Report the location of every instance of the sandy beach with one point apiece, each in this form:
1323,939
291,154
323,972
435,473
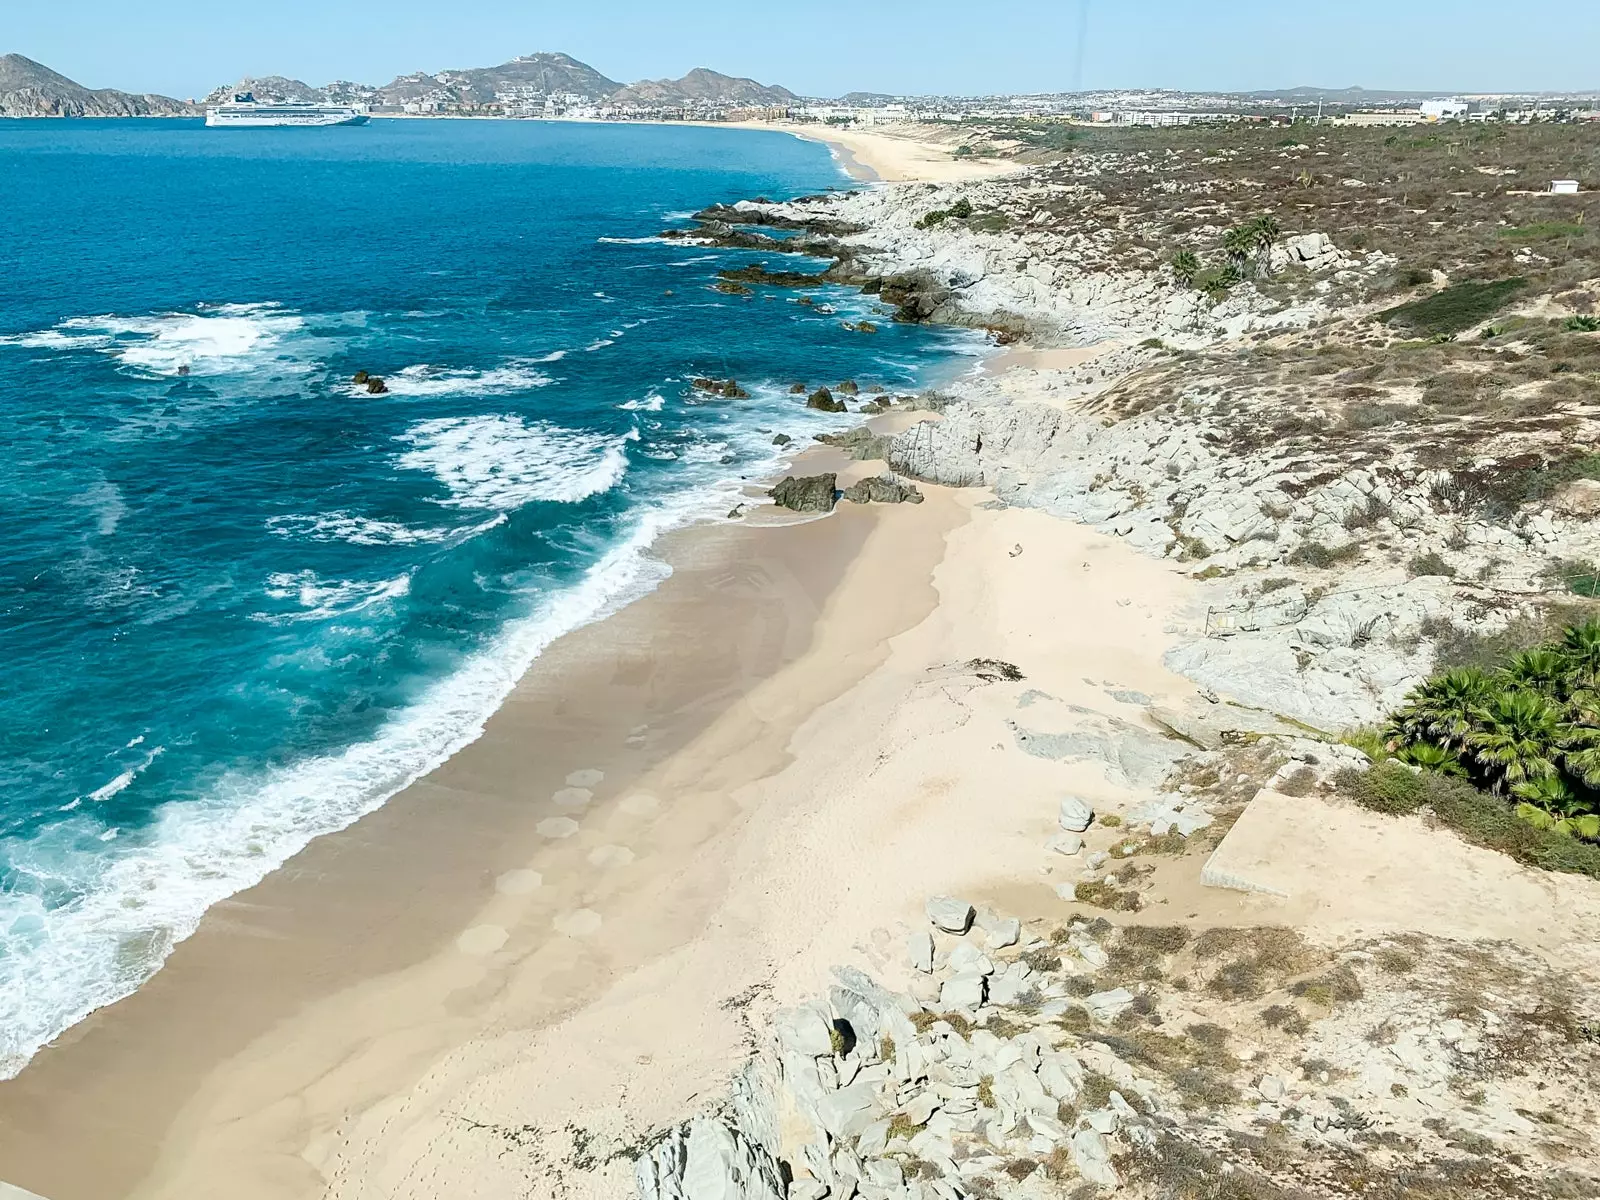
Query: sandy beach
891,153
497,949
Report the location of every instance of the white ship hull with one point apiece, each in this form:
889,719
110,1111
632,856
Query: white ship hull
283,116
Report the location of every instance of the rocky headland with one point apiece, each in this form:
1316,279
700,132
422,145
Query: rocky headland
28,89
1366,433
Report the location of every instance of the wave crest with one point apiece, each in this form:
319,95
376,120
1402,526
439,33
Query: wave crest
503,462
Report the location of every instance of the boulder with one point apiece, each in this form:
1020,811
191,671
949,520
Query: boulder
804,1031
822,400
962,992
1068,844
967,959
1093,1159
882,489
782,439
999,932
859,443
1076,815
808,493
847,1112
919,951
1107,1006
376,386
949,914
708,1161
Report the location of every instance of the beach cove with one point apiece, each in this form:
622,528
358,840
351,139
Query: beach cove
949,766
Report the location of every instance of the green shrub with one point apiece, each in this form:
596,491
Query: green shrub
1543,231
1315,554
1386,787
1482,818
1431,563
1455,308
1580,576
1581,324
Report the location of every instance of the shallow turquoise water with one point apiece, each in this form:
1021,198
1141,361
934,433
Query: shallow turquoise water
242,601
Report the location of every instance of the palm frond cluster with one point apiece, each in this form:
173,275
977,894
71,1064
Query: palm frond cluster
1529,730
1242,246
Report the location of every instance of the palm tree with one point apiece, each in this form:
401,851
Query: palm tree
1264,231
1239,244
1580,646
1445,709
1552,793
1267,231
1519,738
1185,266
1541,670
1432,758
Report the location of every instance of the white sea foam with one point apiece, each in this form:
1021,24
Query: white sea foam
107,790
366,531
215,341
601,343
321,599
636,241
651,403
61,961
424,380
503,462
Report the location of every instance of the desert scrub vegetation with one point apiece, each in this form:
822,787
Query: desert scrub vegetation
1454,309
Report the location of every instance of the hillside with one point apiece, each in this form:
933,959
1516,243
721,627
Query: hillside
28,89
275,88
550,74
702,87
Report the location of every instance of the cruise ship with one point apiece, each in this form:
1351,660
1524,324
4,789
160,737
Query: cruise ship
244,111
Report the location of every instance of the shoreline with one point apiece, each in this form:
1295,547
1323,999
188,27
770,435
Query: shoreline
325,920
627,594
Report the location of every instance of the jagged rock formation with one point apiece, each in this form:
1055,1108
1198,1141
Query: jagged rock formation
882,489
29,89
807,494
1025,1063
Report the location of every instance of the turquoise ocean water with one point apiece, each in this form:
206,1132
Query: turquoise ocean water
242,601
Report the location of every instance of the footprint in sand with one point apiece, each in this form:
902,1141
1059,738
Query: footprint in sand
585,778
610,856
519,882
558,827
572,797
581,923
640,804
482,939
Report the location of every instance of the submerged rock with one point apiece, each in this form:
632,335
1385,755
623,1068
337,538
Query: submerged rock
376,386
807,493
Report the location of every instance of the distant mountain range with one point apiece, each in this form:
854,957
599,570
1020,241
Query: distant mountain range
28,89
533,74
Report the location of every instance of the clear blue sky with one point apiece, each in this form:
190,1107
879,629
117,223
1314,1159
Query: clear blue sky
826,47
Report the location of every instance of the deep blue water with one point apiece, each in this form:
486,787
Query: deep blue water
242,601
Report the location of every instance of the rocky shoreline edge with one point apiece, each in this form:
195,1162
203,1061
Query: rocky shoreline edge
1019,1061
